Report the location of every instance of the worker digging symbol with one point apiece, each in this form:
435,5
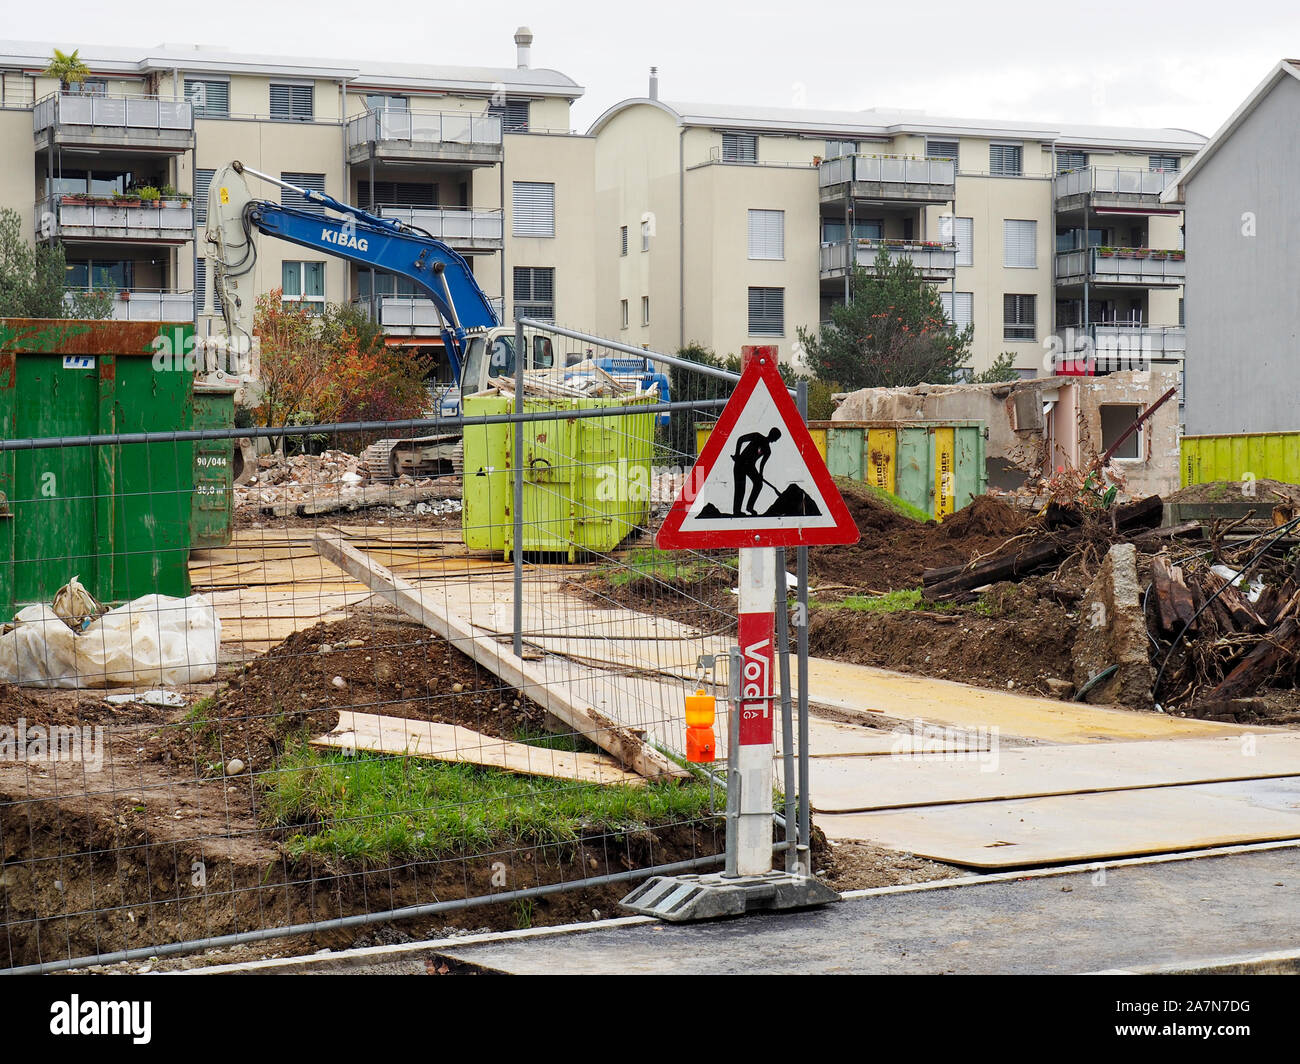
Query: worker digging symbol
749,464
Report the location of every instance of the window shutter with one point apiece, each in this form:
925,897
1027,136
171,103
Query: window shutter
1005,159
837,148
1018,319
1164,162
534,208
961,312
292,101
767,311
534,290
622,236
766,234
941,149
739,148
1071,160
211,99
961,232
202,179
315,182
1019,243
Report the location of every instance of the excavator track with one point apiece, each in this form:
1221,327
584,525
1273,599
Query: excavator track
379,462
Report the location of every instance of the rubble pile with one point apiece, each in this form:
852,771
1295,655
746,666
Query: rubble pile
307,485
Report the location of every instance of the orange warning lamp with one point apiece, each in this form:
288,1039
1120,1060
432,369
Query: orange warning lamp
700,744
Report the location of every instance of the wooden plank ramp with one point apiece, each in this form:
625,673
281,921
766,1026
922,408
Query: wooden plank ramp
378,734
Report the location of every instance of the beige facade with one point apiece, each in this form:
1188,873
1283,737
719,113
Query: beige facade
442,148
987,227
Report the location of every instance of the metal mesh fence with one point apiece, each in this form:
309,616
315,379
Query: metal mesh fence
402,701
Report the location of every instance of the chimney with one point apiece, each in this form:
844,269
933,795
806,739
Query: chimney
654,83
523,41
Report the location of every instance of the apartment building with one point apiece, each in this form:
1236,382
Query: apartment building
480,157
734,225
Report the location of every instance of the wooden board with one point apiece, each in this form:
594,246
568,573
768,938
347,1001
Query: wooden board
863,689
379,734
608,710
845,785
1080,827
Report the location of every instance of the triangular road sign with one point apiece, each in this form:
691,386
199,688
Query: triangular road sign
759,481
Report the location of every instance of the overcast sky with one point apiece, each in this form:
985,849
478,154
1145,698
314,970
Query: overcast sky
1186,64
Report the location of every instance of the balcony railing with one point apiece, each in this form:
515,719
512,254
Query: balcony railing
107,219
1112,186
441,136
413,315
139,122
889,177
461,227
935,262
145,305
1123,344
1138,267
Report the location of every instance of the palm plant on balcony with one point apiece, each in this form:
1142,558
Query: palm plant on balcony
69,68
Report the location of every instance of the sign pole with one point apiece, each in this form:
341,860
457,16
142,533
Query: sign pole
756,592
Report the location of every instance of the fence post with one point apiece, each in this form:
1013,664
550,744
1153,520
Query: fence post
801,615
517,509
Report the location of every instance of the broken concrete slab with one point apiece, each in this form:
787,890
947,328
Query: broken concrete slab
1113,632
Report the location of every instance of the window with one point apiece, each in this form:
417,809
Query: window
961,232
645,234
514,115
623,307
534,208
535,292
1164,162
834,230
1071,160
201,288
836,148
959,306
202,179
314,182
398,193
292,102
1005,159
739,148
622,239
1114,420
1020,243
1181,320
941,149
766,234
645,310
767,312
304,282
1018,319
211,99
378,102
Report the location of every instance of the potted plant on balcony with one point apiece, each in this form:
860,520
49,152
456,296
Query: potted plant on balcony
1157,253
1106,252
69,69
129,198
150,196
1141,253
1178,256
1127,253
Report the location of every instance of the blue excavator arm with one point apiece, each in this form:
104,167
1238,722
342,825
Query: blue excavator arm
382,244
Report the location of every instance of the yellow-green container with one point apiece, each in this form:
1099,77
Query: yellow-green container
1240,457
586,480
937,466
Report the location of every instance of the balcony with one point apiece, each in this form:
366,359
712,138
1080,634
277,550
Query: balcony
73,218
1113,189
463,228
142,305
457,138
887,178
1122,345
413,315
136,123
1132,267
935,262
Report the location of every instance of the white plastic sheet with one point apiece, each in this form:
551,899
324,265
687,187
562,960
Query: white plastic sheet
152,640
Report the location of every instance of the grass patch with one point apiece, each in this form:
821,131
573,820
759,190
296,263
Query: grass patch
902,507
651,563
372,810
890,602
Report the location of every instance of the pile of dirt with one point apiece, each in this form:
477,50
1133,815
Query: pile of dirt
1017,635
71,709
1226,491
893,551
374,662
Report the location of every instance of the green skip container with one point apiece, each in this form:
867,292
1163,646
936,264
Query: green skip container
120,518
587,480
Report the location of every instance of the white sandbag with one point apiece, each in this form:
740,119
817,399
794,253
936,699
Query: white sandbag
152,640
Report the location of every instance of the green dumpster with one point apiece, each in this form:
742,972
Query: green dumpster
586,481
117,517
